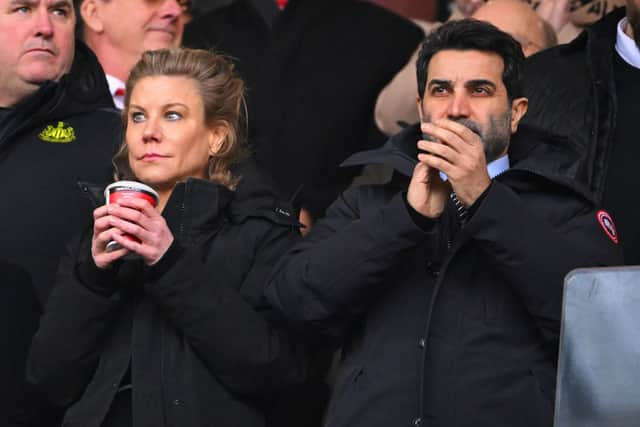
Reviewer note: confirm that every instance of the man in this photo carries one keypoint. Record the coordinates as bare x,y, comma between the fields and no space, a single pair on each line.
514,17
313,69
119,31
444,286
55,129
588,91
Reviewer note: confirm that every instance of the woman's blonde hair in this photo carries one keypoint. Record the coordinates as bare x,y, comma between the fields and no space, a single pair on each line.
222,93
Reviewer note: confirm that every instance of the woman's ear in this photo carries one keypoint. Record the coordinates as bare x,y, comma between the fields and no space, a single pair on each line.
217,135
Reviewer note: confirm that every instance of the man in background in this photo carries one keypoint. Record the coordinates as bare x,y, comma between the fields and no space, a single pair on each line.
119,31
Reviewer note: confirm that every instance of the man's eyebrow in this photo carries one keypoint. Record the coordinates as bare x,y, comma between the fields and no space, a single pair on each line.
57,4
22,2
480,82
62,3
440,82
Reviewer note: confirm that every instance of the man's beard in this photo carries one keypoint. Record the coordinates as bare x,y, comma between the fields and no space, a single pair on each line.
495,138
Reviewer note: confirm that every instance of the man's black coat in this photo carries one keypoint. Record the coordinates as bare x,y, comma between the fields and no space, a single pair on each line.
442,325
19,313
572,94
65,132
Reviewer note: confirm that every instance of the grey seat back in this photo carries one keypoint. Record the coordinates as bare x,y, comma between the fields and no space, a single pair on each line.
599,361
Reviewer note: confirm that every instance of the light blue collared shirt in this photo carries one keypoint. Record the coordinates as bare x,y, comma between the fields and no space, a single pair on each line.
626,46
494,168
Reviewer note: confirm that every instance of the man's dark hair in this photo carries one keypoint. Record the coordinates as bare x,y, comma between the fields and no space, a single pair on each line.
471,34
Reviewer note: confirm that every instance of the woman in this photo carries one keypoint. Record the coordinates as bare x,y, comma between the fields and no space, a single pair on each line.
179,336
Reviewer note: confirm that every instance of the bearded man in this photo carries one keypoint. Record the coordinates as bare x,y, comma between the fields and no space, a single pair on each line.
444,286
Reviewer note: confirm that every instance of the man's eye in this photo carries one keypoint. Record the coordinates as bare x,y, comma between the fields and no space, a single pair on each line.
481,90
438,90
172,115
61,12
21,9
137,117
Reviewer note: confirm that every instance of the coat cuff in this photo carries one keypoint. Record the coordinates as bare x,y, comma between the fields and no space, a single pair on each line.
99,280
168,260
425,223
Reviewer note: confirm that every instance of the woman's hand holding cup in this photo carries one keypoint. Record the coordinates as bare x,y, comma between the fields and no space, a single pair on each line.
138,219
129,223
103,235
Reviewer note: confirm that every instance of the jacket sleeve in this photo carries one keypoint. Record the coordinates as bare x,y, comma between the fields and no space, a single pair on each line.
75,324
332,276
240,340
535,251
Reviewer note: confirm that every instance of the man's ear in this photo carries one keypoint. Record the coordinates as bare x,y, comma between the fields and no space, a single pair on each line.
91,16
518,110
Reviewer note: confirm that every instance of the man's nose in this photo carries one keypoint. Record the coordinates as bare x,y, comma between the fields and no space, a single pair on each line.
171,9
459,106
43,24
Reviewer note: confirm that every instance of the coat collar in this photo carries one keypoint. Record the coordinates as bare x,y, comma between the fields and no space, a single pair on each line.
531,152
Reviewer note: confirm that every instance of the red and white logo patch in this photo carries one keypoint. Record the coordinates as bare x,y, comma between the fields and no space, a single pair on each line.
606,222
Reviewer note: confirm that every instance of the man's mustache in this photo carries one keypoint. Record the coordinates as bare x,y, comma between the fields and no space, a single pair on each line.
473,126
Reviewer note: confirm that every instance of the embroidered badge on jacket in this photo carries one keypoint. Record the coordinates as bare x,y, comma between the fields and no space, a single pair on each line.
61,134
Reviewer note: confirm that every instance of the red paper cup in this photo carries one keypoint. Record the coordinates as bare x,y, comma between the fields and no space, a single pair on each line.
120,190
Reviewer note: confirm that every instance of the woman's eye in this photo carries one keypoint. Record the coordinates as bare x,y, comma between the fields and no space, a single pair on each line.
172,115
137,117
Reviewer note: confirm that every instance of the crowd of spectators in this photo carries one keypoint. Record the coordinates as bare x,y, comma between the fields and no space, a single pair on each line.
300,270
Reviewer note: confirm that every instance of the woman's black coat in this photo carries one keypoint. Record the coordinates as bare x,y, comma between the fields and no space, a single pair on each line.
202,346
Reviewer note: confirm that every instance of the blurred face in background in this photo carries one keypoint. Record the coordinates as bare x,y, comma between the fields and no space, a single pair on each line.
518,19
135,26
467,7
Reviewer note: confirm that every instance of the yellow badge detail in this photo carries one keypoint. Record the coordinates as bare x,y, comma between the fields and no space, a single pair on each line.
59,134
